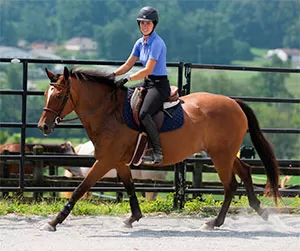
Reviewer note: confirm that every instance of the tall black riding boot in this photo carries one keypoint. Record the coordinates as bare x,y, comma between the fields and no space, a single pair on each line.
153,134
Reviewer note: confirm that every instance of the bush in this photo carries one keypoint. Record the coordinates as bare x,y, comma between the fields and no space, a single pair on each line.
242,50
3,137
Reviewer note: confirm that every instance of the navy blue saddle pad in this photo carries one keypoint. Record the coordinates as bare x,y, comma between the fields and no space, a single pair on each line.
169,123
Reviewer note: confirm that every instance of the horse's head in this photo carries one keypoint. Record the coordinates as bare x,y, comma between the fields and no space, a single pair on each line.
57,101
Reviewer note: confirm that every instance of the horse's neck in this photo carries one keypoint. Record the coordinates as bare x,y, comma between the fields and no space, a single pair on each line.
91,105
86,96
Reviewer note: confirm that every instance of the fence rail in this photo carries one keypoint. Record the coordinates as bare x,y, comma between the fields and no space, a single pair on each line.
184,71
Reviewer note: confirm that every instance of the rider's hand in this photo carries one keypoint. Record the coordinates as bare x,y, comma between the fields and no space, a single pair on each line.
111,76
121,82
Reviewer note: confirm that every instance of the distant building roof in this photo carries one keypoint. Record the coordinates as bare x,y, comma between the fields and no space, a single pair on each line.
80,43
290,52
43,45
285,53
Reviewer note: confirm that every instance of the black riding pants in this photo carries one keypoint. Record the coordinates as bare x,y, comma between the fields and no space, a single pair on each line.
158,91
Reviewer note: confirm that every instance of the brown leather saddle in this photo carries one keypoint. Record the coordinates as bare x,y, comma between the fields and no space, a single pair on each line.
136,103
137,100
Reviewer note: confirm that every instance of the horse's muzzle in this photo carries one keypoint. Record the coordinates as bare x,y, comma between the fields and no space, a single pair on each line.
45,128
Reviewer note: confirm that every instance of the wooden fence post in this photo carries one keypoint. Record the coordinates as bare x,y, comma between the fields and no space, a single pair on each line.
197,178
38,171
180,185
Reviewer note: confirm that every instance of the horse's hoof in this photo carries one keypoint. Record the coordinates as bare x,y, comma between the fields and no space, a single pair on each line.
210,225
48,227
131,219
265,215
128,223
206,226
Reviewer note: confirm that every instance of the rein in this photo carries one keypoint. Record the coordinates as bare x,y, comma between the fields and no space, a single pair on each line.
58,119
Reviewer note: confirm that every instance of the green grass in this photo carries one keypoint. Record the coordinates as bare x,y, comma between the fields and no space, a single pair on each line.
74,141
259,62
293,84
261,179
257,52
95,207
243,77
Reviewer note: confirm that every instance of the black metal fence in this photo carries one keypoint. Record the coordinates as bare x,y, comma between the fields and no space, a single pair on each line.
179,185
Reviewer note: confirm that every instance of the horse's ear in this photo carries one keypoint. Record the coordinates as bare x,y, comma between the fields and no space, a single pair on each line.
49,74
66,73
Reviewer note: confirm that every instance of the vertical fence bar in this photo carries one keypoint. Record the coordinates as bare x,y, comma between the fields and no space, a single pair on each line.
188,76
176,182
180,185
4,170
38,171
179,78
197,178
23,128
52,172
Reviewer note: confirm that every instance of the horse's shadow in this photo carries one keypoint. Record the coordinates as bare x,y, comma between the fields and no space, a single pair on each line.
142,233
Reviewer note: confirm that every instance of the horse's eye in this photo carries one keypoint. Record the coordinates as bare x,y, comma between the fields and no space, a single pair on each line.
59,96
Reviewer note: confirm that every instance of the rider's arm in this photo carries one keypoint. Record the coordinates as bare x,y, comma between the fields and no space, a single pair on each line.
124,68
144,72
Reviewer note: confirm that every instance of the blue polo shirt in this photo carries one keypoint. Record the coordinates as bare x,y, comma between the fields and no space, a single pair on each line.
154,48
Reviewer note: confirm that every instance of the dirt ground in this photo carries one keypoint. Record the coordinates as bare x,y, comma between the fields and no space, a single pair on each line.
241,232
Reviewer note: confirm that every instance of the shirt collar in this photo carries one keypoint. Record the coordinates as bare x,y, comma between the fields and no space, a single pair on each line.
150,39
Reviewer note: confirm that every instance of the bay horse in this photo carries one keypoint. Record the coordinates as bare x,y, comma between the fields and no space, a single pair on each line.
87,148
213,123
65,148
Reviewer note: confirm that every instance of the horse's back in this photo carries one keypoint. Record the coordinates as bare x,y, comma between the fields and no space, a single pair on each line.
211,119
209,100
212,106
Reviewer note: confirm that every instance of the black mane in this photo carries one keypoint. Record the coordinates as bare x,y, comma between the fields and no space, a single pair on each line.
92,75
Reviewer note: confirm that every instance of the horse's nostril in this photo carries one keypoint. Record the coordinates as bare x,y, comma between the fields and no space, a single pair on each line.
45,127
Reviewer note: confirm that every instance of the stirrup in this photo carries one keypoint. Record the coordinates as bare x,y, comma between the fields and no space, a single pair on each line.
153,159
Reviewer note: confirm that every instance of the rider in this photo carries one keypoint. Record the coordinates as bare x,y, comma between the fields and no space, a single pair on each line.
151,50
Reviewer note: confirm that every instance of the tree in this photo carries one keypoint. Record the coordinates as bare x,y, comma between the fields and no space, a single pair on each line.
285,145
272,84
9,15
292,38
110,39
242,51
261,24
36,21
207,38
12,105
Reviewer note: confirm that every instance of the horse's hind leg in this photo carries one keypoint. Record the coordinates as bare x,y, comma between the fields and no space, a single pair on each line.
230,184
243,170
125,175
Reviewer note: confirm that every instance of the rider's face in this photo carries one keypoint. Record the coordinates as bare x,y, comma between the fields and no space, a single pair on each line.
146,27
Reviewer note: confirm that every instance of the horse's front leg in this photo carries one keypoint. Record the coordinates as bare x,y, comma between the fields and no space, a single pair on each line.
125,175
96,173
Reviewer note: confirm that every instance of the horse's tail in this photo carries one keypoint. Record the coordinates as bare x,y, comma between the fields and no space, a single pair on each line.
264,151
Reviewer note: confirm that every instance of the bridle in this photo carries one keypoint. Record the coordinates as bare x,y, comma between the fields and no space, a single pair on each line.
58,119
68,94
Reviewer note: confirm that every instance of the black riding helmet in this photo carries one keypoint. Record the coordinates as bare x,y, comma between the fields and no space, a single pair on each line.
148,13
